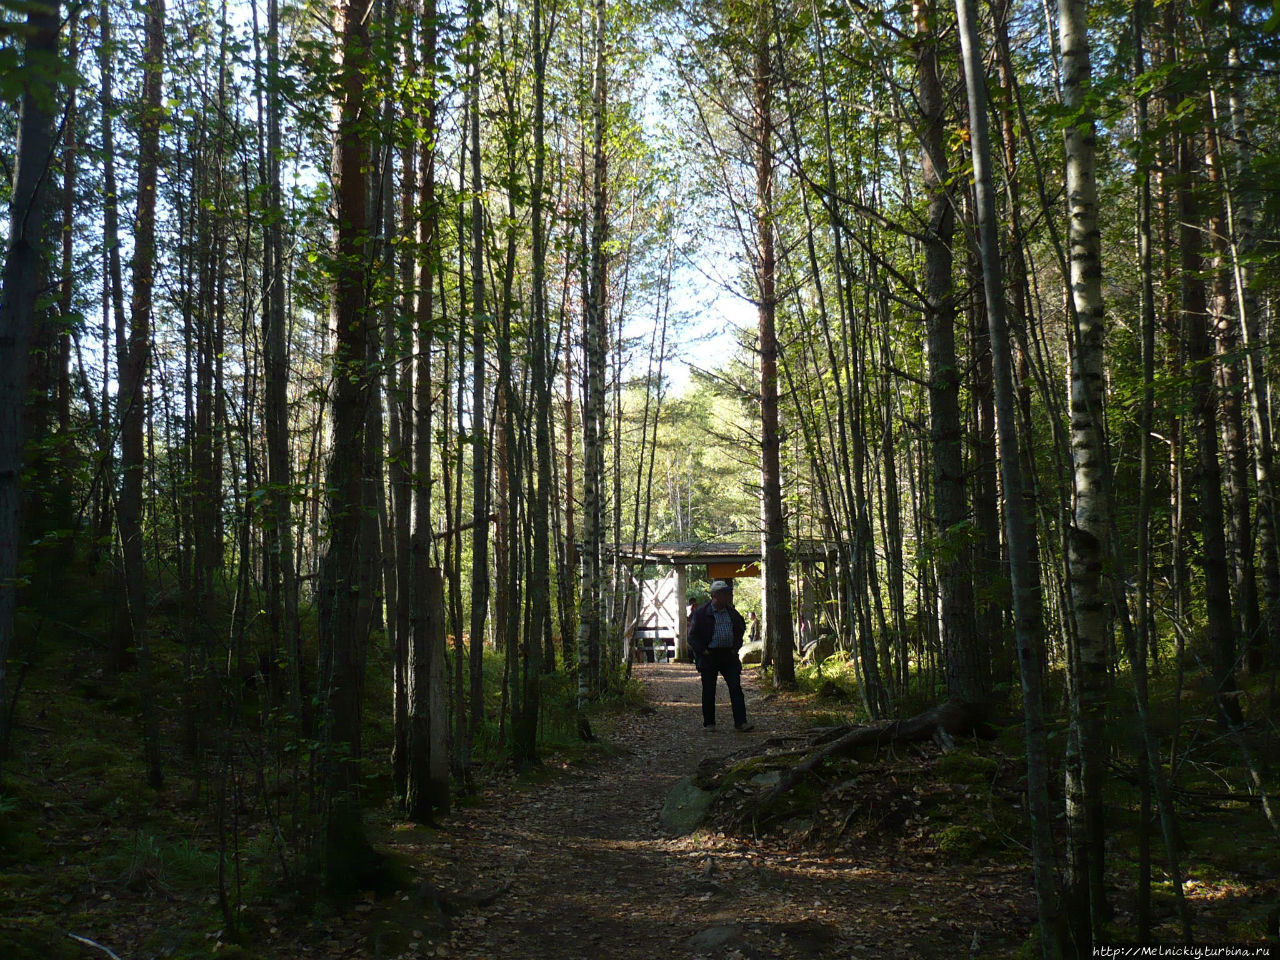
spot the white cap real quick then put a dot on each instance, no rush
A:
(718, 586)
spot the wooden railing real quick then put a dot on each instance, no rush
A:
(653, 645)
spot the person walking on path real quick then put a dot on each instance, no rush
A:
(715, 635)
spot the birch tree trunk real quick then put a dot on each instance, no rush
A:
(1091, 512)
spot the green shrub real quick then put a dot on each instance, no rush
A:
(961, 841)
(145, 859)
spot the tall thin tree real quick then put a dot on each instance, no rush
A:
(780, 631)
(1019, 528)
(134, 363)
(955, 587)
(22, 281)
(348, 857)
(1091, 511)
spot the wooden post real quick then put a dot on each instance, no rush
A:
(682, 618)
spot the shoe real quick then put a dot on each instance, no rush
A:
(708, 728)
(744, 727)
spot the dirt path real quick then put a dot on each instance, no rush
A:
(592, 873)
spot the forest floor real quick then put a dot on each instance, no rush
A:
(912, 854)
(578, 866)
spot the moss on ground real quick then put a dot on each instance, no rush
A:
(961, 841)
(965, 766)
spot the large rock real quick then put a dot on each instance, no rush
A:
(819, 649)
(686, 807)
(752, 651)
(715, 938)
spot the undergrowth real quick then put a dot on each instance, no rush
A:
(970, 803)
(223, 854)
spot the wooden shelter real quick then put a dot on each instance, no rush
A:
(660, 624)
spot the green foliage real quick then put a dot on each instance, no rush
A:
(702, 487)
(140, 860)
(835, 678)
(960, 841)
(824, 718)
(965, 767)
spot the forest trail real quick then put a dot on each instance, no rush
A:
(593, 874)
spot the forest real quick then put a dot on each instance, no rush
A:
(355, 356)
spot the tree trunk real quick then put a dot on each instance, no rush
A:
(1230, 385)
(348, 858)
(509, 456)
(427, 767)
(1195, 336)
(525, 737)
(568, 555)
(427, 790)
(282, 586)
(23, 278)
(989, 601)
(1020, 296)
(955, 588)
(1242, 202)
(1020, 531)
(70, 150)
(1152, 771)
(778, 627)
(593, 408)
(133, 365)
(1140, 659)
(1091, 514)
(479, 452)
(406, 362)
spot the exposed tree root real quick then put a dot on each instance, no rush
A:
(939, 724)
(448, 904)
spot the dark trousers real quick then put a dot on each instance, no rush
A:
(722, 662)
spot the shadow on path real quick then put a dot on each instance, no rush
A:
(592, 874)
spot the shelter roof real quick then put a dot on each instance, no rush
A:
(680, 553)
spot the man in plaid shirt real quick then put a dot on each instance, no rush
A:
(715, 634)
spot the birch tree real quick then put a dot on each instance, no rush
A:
(1091, 513)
